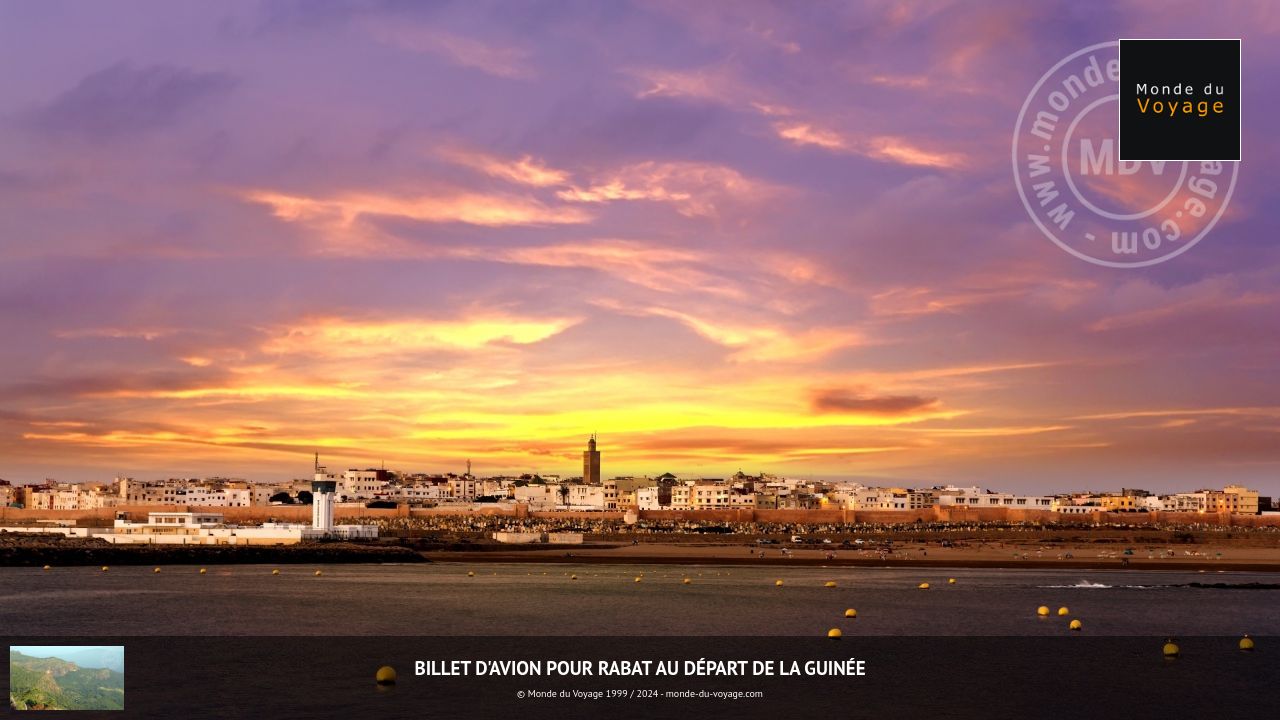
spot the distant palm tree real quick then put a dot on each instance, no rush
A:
(564, 494)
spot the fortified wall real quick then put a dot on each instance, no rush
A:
(302, 513)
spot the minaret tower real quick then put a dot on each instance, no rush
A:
(591, 463)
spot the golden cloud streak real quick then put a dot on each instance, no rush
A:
(525, 170)
(468, 208)
(336, 337)
(1229, 411)
(694, 189)
(886, 148)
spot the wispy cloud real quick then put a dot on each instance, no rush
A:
(446, 207)
(340, 337)
(885, 148)
(694, 189)
(805, 134)
(754, 342)
(711, 83)
(503, 61)
(524, 170)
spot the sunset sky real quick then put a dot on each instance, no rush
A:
(780, 237)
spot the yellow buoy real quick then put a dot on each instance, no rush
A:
(105, 568)
(777, 583)
(386, 675)
(1063, 610)
(834, 633)
(573, 577)
(470, 574)
(275, 572)
(1042, 611)
(638, 578)
(1076, 625)
(923, 586)
(951, 581)
(1246, 643)
(687, 581)
(156, 570)
(203, 571)
(851, 613)
(319, 573)
(830, 584)
(1170, 649)
(47, 568)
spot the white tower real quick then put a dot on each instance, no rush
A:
(322, 490)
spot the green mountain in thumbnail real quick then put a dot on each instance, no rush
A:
(56, 684)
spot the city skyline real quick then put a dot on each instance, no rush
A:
(593, 474)
(727, 236)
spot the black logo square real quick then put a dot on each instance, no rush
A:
(1179, 99)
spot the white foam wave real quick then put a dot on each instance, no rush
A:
(1083, 584)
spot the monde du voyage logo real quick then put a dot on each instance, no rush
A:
(1178, 169)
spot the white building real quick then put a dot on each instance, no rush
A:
(419, 492)
(975, 497)
(1187, 502)
(464, 487)
(718, 496)
(204, 528)
(538, 496)
(586, 497)
(213, 492)
(647, 498)
(361, 484)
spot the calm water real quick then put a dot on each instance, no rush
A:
(528, 599)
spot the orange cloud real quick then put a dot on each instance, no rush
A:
(805, 134)
(886, 148)
(695, 189)
(338, 337)
(525, 170)
(903, 152)
(460, 207)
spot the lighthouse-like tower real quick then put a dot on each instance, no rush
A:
(322, 489)
(591, 463)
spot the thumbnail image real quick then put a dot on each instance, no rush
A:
(66, 677)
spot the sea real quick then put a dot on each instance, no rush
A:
(526, 599)
(241, 641)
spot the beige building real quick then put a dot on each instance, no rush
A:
(1118, 503)
(718, 496)
(1234, 499)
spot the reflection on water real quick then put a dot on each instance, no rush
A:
(536, 599)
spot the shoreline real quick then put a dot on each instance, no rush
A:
(586, 559)
(1042, 555)
(38, 550)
